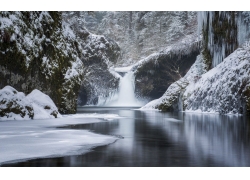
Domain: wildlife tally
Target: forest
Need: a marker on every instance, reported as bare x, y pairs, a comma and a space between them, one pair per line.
102, 77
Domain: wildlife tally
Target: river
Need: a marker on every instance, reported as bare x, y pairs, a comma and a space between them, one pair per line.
157, 139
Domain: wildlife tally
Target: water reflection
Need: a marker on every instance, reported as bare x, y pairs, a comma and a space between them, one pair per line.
163, 139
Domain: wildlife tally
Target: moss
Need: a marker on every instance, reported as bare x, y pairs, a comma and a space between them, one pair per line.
13, 107
154, 76
247, 98
224, 32
36, 75
165, 107
47, 107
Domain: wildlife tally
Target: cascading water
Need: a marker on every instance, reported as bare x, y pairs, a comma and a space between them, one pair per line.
126, 93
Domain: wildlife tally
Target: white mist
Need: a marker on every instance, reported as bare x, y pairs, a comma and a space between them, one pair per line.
126, 93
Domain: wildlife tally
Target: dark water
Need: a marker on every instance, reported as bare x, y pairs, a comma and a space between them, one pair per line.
162, 139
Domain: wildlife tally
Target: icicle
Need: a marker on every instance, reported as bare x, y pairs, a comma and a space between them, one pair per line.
218, 51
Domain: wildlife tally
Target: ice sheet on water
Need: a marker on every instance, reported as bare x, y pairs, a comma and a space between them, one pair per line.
40, 138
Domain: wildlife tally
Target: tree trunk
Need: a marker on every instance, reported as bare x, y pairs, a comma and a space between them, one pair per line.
130, 21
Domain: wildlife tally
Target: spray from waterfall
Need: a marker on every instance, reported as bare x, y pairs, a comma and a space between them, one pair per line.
126, 93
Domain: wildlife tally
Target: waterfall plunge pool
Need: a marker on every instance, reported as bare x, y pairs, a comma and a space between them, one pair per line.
152, 138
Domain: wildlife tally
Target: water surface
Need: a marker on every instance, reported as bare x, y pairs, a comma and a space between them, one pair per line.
152, 138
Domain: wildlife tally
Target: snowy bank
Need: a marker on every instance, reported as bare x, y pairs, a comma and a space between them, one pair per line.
15, 105
225, 89
22, 140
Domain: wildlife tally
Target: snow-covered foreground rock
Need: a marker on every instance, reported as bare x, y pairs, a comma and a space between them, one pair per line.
22, 140
224, 89
15, 105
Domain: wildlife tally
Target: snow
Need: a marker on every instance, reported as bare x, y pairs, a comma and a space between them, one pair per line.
151, 105
39, 104
114, 73
123, 69
107, 117
174, 90
182, 47
68, 32
220, 90
75, 70
22, 140
36, 103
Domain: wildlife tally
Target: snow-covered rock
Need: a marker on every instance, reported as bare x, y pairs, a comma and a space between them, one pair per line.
54, 53
154, 74
44, 107
15, 105
39, 51
170, 99
224, 89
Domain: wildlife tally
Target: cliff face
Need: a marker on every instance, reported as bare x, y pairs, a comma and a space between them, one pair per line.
99, 54
223, 32
154, 74
38, 51
141, 33
99, 82
223, 84
224, 89
51, 52
171, 100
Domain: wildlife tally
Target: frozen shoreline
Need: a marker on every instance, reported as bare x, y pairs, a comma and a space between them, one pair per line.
23, 140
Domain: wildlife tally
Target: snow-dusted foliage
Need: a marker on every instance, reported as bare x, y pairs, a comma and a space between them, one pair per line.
99, 81
39, 51
158, 71
223, 32
53, 52
98, 56
225, 88
170, 99
15, 105
140, 33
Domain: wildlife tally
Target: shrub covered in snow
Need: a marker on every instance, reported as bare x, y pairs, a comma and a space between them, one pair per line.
15, 105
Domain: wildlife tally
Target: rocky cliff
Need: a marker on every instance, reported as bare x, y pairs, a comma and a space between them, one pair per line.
154, 74
52, 52
223, 84
98, 57
141, 33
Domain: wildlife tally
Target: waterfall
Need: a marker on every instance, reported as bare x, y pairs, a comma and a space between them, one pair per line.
126, 93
